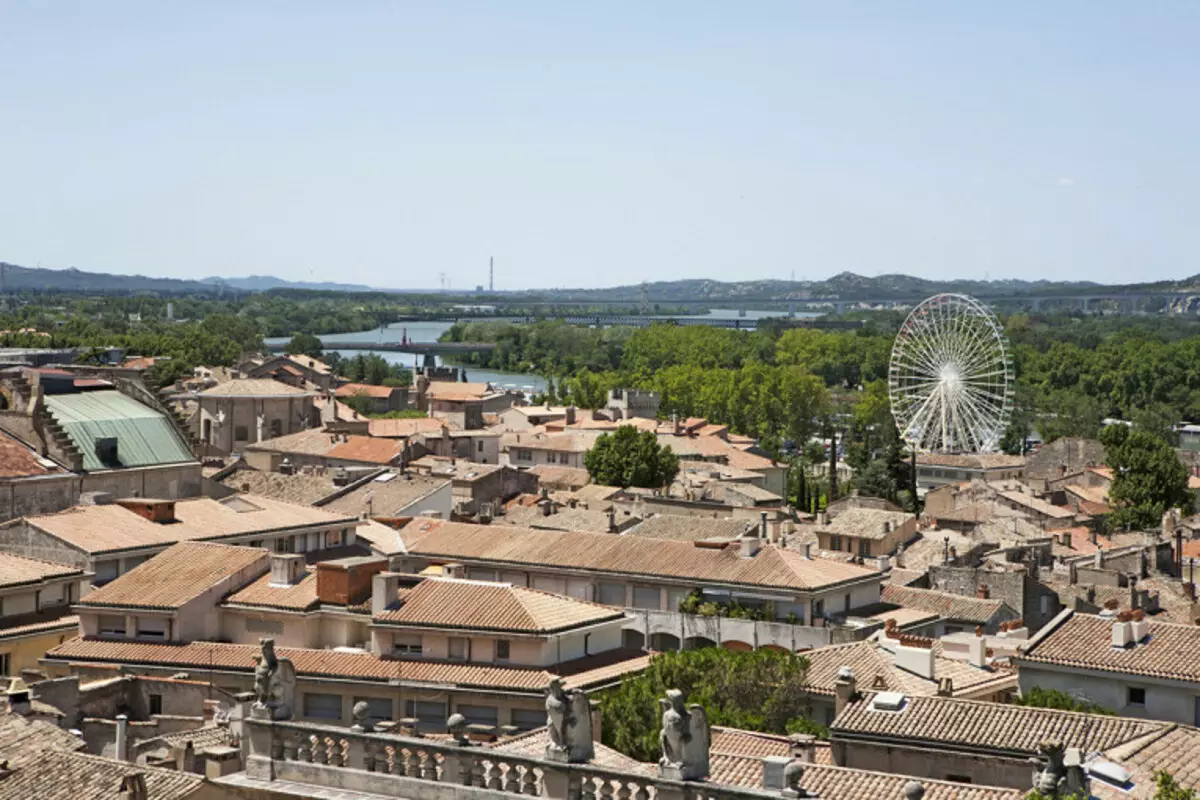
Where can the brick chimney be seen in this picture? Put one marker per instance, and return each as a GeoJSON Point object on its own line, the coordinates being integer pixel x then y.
{"type": "Point", "coordinates": [160, 511]}
{"type": "Point", "coordinates": [347, 581]}
{"type": "Point", "coordinates": [983, 593]}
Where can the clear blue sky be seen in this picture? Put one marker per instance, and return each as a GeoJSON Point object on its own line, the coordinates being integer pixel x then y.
{"type": "Point", "coordinates": [589, 144]}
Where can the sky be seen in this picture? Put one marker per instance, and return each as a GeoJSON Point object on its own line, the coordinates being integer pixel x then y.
{"type": "Point", "coordinates": [398, 144]}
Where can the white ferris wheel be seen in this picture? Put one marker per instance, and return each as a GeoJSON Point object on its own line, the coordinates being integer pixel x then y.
{"type": "Point", "coordinates": [950, 380]}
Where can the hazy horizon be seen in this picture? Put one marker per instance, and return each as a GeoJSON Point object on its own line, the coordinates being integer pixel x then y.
{"type": "Point", "coordinates": [386, 143]}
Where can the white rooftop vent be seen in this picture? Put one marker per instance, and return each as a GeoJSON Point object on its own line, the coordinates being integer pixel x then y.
{"type": "Point", "coordinates": [888, 701]}
{"type": "Point", "coordinates": [1109, 772]}
{"type": "Point", "coordinates": [385, 477]}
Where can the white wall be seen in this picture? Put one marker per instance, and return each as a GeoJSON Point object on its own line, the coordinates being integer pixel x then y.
{"type": "Point", "coordinates": [1174, 702]}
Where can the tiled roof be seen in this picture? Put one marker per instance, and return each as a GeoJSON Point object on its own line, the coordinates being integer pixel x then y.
{"type": "Point", "coordinates": [57, 775]}
{"type": "Point", "coordinates": [19, 461]}
{"type": "Point", "coordinates": [974, 461]}
{"type": "Point", "coordinates": [176, 575]}
{"type": "Point", "coordinates": [365, 390]}
{"type": "Point", "coordinates": [1175, 749]}
{"type": "Point", "coordinates": [683, 527]}
{"type": "Point", "coordinates": [1084, 641]}
{"type": "Point", "coordinates": [311, 442]}
{"type": "Point", "coordinates": [16, 570]}
{"type": "Point", "coordinates": [474, 605]}
{"type": "Point", "coordinates": [561, 443]}
{"type": "Point", "coordinates": [1037, 505]}
{"type": "Point", "coordinates": [296, 488]}
{"type": "Point", "coordinates": [253, 387]}
{"type": "Point", "coordinates": [367, 449]}
{"type": "Point", "coordinates": [737, 742]}
{"type": "Point", "coordinates": [99, 529]}
{"type": "Point", "coordinates": [301, 596]}
{"type": "Point", "coordinates": [449, 390]}
{"type": "Point", "coordinates": [905, 617]}
{"type": "Point", "coordinates": [24, 739]}
{"type": "Point", "coordinates": [565, 518]}
{"type": "Point", "coordinates": [310, 363]}
{"type": "Point", "coordinates": [591, 671]}
{"type": "Point", "coordinates": [840, 783]}
{"type": "Point", "coordinates": [994, 726]}
{"type": "Point", "coordinates": [868, 523]}
{"type": "Point", "coordinates": [946, 604]}
{"type": "Point", "coordinates": [903, 577]}
{"type": "Point", "coordinates": [383, 539]}
{"type": "Point", "coordinates": [403, 428]}
{"type": "Point", "coordinates": [144, 436]}
{"type": "Point", "coordinates": [533, 745]}
{"type": "Point", "coordinates": [387, 497]}
{"type": "Point", "coordinates": [67, 623]}
{"type": "Point", "coordinates": [627, 555]}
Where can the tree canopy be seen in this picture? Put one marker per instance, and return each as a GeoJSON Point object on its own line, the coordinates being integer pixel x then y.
{"type": "Point", "coordinates": [304, 344]}
{"type": "Point", "coordinates": [1148, 477]}
{"type": "Point", "coordinates": [629, 457]}
{"type": "Point", "coordinates": [761, 690]}
{"type": "Point", "coordinates": [1038, 697]}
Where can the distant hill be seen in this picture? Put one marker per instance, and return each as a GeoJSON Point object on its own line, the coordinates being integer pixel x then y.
{"type": "Point", "coordinates": [263, 283]}
{"type": "Point", "coordinates": [18, 279]}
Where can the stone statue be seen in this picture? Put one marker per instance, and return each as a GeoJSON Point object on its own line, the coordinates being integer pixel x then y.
{"type": "Point", "coordinates": [457, 726]}
{"type": "Point", "coordinates": [684, 739]}
{"type": "Point", "coordinates": [1051, 779]}
{"type": "Point", "coordinates": [569, 724]}
{"type": "Point", "coordinates": [361, 714]}
{"type": "Point", "coordinates": [793, 774]}
{"type": "Point", "coordinates": [274, 683]}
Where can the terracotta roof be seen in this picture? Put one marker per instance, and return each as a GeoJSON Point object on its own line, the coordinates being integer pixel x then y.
{"type": "Point", "coordinates": [365, 390]}
{"type": "Point", "coordinates": [906, 617]}
{"type": "Point", "coordinates": [841, 783]}
{"type": "Point", "coordinates": [388, 497]}
{"type": "Point", "coordinates": [19, 461]}
{"type": "Point", "coordinates": [628, 555]}
{"type": "Point", "coordinates": [383, 538]}
{"type": "Point", "coordinates": [871, 662]}
{"type": "Point", "coordinates": [301, 596]}
{"type": "Point", "coordinates": [971, 461]}
{"type": "Point", "coordinates": [1036, 505]}
{"type": "Point", "coordinates": [737, 742]}
{"type": "Point", "coordinates": [1084, 641]}
{"type": "Point", "coordinates": [16, 570]}
{"type": "Point", "coordinates": [299, 488]}
{"type": "Point", "coordinates": [403, 428]}
{"type": "Point", "coordinates": [178, 574]}
{"type": "Point", "coordinates": [449, 390]}
{"type": "Point", "coordinates": [253, 387]}
{"type": "Point", "coordinates": [591, 671]}
{"type": "Point", "coordinates": [67, 623]}
{"type": "Point", "coordinates": [981, 725]}
{"type": "Point", "coordinates": [57, 775]}
{"type": "Point", "coordinates": [867, 523]}
{"type": "Point", "coordinates": [560, 443]}
{"type": "Point", "coordinates": [474, 605]}
{"type": "Point", "coordinates": [561, 477]}
{"type": "Point", "coordinates": [368, 449]}
{"type": "Point", "coordinates": [22, 740]}
{"type": "Point", "coordinates": [311, 442]}
{"type": "Point", "coordinates": [1175, 749]}
{"type": "Point", "coordinates": [683, 527]}
{"type": "Point", "coordinates": [903, 577]}
{"type": "Point", "coordinates": [533, 745]}
{"type": "Point", "coordinates": [743, 459]}
{"type": "Point", "coordinates": [946, 604]}
{"type": "Point", "coordinates": [100, 529]}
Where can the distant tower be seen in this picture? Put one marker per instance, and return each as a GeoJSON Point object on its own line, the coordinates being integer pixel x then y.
{"type": "Point", "coordinates": [491, 273]}
{"type": "Point", "coordinates": [170, 311]}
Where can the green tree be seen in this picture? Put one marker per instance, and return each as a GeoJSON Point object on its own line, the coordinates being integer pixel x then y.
{"type": "Point", "coordinates": [1167, 788]}
{"type": "Point", "coordinates": [629, 457]}
{"type": "Point", "coordinates": [304, 344]}
{"type": "Point", "coordinates": [1037, 697]}
{"type": "Point", "coordinates": [1148, 477]}
{"type": "Point", "coordinates": [761, 690]}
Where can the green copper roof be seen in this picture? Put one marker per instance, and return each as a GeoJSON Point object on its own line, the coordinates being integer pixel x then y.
{"type": "Point", "coordinates": [144, 436]}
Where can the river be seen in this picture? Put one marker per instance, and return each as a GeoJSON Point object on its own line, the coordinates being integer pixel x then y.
{"type": "Point", "coordinates": [430, 331]}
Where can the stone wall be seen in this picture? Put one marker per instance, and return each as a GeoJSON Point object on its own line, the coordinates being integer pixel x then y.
{"type": "Point", "coordinates": [1033, 602]}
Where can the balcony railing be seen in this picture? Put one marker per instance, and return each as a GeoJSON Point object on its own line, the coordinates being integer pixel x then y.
{"type": "Point", "coordinates": [404, 766]}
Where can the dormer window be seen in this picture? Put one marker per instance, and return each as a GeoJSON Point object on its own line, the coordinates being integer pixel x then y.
{"type": "Point", "coordinates": [460, 649]}
{"type": "Point", "coordinates": [502, 649]}
{"type": "Point", "coordinates": [112, 625]}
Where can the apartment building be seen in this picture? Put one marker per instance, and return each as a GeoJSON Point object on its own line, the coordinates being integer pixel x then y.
{"type": "Point", "coordinates": [35, 603]}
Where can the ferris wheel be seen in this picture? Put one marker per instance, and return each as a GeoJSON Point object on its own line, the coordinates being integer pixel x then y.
{"type": "Point", "coordinates": [950, 380]}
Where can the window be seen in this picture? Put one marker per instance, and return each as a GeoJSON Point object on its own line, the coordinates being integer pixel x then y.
{"type": "Point", "coordinates": [479, 447]}
{"type": "Point", "coordinates": [152, 628]}
{"type": "Point", "coordinates": [239, 433]}
{"type": "Point", "coordinates": [460, 649]}
{"type": "Point", "coordinates": [276, 427]}
{"type": "Point", "coordinates": [524, 455]}
{"type": "Point", "coordinates": [482, 574]}
{"type": "Point", "coordinates": [6, 670]}
{"type": "Point", "coordinates": [284, 544]}
{"type": "Point", "coordinates": [256, 543]}
{"type": "Point", "coordinates": [155, 704]}
{"type": "Point", "coordinates": [480, 715]}
{"type": "Point", "coordinates": [959, 778]}
{"type": "Point", "coordinates": [525, 719]}
{"type": "Point", "coordinates": [112, 625]}
{"type": "Point", "coordinates": [323, 706]}
{"type": "Point", "coordinates": [819, 608]}
{"type": "Point", "coordinates": [646, 597]}
{"type": "Point", "coordinates": [430, 716]}
{"type": "Point", "coordinates": [835, 543]}
{"type": "Point", "coordinates": [847, 601]}
{"type": "Point", "coordinates": [1136, 696]}
{"type": "Point", "coordinates": [502, 649]}
{"type": "Point", "coordinates": [864, 548]}
{"type": "Point", "coordinates": [379, 709]}
{"type": "Point", "coordinates": [610, 594]}
{"type": "Point", "coordinates": [408, 644]}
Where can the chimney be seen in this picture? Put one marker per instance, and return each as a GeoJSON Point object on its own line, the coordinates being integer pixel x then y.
{"type": "Point", "coordinates": [1139, 626]}
{"type": "Point", "coordinates": [773, 768]}
{"type": "Point", "coordinates": [803, 747]}
{"type": "Point", "coordinates": [762, 533]}
{"type": "Point", "coordinates": [286, 569]}
{"type": "Point", "coordinates": [749, 546]}
{"type": "Point", "coordinates": [945, 687]}
{"type": "Point", "coordinates": [597, 720]}
{"type": "Point", "coordinates": [160, 511]}
{"type": "Point", "coordinates": [133, 787]}
{"type": "Point", "coordinates": [612, 519]}
{"type": "Point", "coordinates": [18, 697]}
{"type": "Point", "coordinates": [822, 518]}
{"type": "Point", "coordinates": [844, 689]}
{"type": "Point", "coordinates": [1091, 595]}
{"type": "Point", "coordinates": [977, 651]}
{"type": "Point", "coordinates": [887, 526]}
{"type": "Point", "coordinates": [454, 570]}
{"type": "Point", "coordinates": [121, 744]}
{"type": "Point", "coordinates": [1122, 633]}
{"type": "Point", "coordinates": [807, 550]}
{"type": "Point", "coordinates": [185, 758]}
{"type": "Point", "coordinates": [915, 655]}
{"type": "Point", "coordinates": [946, 549]}
{"type": "Point", "coordinates": [570, 417]}
{"type": "Point", "coordinates": [384, 586]}
{"type": "Point", "coordinates": [547, 507]}
{"type": "Point", "coordinates": [983, 593]}
{"type": "Point", "coordinates": [676, 425]}
{"type": "Point", "coordinates": [1098, 558]}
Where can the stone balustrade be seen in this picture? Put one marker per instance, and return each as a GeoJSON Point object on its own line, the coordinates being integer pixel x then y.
{"type": "Point", "coordinates": [440, 769]}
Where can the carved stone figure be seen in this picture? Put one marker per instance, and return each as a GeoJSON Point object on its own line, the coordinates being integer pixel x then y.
{"type": "Point", "coordinates": [361, 714]}
{"type": "Point", "coordinates": [1051, 779]}
{"type": "Point", "coordinates": [569, 724]}
{"type": "Point", "coordinates": [457, 726]}
{"type": "Point", "coordinates": [274, 683]}
{"type": "Point", "coordinates": [793, 775]}
{"type": "Point", "coordinates": [684, 739]}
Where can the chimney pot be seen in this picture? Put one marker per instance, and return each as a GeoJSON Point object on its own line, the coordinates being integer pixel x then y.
{"type": "Point", "coordinates": [982, 593]}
